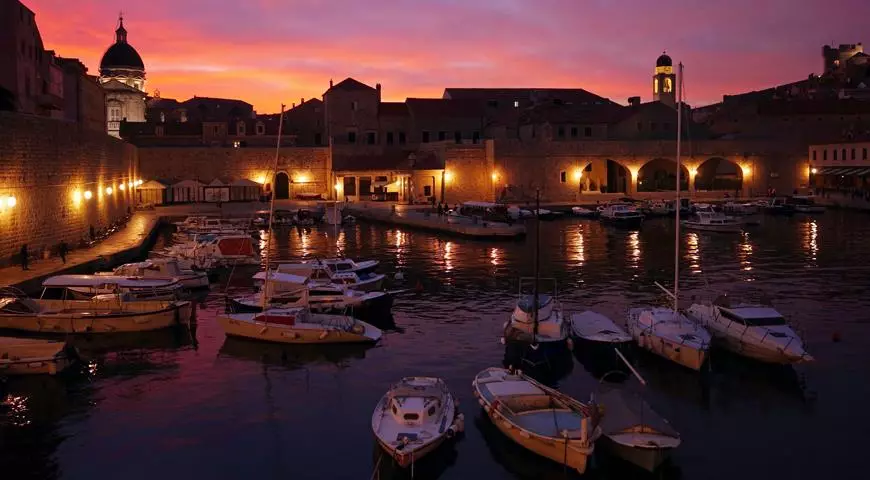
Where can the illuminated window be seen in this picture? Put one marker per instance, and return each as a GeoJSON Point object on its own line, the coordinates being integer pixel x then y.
{"type": "Point", "coordinates": [655, 85]}
{"type": "Point", "coordinates": [668, 87]}
{"type": "Point", "coordinates": [563, 177]}
{"type": "Point", "coordinates": [516, 104]}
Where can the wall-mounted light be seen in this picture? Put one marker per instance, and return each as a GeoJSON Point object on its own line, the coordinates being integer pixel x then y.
{"type": "Point", "coordinates": [88, 194]}
{"type": "Point", "coordinates": [578, 174]}
{"type": "Point", "coordinates": [448, 176]}
{"type": "Point", "coordinates": [494, 176]}
{"type": "Point", "coordinates": [301, 178]}
{"type": "Point", "coordinates": [130, 184]}
{"type": "Point", "coordinates": [9, 201]}
{"type": "Point", "coordinates": [108, 190]}
{"type": "Point", "coordinates": [121, 186]}
{"type": "Point", "coordinates": [693, 171]}
{"type": "Point", "coordinates": [337, 186]}
{"type": "Point", "coordinates": [814, 170]}
{"type": "Point", "coordinates": [261, 180]}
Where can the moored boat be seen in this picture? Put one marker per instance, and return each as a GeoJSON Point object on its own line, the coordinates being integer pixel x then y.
{"type": "Point", "coordinates": [707, 221]}
{"type": "Point", "coordinates": [167, 269]}
{"type": "Point", "coordinates": [298, 325]}
{"type": "Point", "coordinates": [584, 212]}
{"type": "Point", "coordinates": [319, 273]}
{"type": "Point", "coordinates": [805, 204]}
{"type": "Point", "coordinates": [621, 215]}
{"type": "Point", "coordinates": [670, 335]}
{"type": "Point", "coordinates": [23, 356]}
{"type": "Point", "coordinates": [596, 328]}
{"type": "Point", "coordinates": [345, 265]}
{"type": "Point", "coordinates": [216, 251]}
{"type": "Point", "coordinates": [83, 287]}
{"type": "Point", "coordinates": [414, 417]}
{"type": "Point", "coordinates": [540, 419]}
{"type": "Point", "coordinates": [752, 330]}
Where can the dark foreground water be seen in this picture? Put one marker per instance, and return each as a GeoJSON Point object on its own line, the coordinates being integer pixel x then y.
{"type": "Point", "coordinates": [194, 404]}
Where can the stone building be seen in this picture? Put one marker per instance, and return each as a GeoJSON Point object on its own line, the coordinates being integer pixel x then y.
{"type": "Point", "coordinates": [84, 99]}
{"type": "Point", "coordinates": [122, 76]}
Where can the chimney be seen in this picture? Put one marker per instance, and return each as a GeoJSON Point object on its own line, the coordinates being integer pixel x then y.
{"type": "Point", "coordinates": [378, 87]}
{"type": "Point", "coordinates": [302, 101]}
{"type": "Point", "coordinates": [634, 101]}
{"type": "Point", "coordinates": [330, 83]}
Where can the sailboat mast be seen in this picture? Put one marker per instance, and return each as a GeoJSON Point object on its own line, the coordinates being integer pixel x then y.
{"type": "Point", "coordinates": [272, 210]}
{"type": "Point", "coordinates": [537, 262]}
{"type": "Point", "coordinates": [679, 170]}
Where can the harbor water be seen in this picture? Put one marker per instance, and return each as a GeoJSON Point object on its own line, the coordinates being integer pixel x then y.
{"type": "Point", "coordinates": [194, 404]}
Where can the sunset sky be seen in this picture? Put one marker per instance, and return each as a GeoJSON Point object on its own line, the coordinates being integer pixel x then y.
{"type": "Point", "coordinates": [271, 51]}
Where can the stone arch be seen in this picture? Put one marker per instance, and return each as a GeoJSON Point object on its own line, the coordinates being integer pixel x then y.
{"type": "Point", "coordinates": [719, 173]}
{"type": "Point", "coordinates": [660, 174]}
{"type": "Point", "coordinates": [618, 177]}
{"type": "Point", "coordinates": [282, 186]}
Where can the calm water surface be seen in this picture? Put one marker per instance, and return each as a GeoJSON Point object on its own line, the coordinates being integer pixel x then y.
{"type": "Point", "coordinates": [194, 404]}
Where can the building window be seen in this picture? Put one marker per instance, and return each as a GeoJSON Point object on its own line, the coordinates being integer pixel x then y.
{"type": "Point", "coordinates": [516, 104]}
{"type": "Point", "coordinates": [561, 132]}
{"type": "Point", "coordinates": [353, 105]}
{"type": "Point", "coordinates": [260, 128]}
{"type": "Point", "coordinates": [425, 136]}
{"type": "Point", "coordinates": [574, 132]}
{"type": "Point", "coordinates": [844, 155]}
{"type": "Point", "coordinates": [402, 138]}
{"type": "Point", "coordinates": [669, 86]}
{"type": "Point", "coordinates": [351, 137]}
{"type": "Point", "coordinates": [370, 138]}
{"type": "Point", "coordinates": [835, 154]}
{"type": "Point", "coordinates": [365, 186]}
{"type": "Point", "coordinates": [666, 126]}
{"type": "Point", "coordinates": [162, 117]}
{"type": "Point", "coordinates": [240, 129]}
{"type": "Point", "coordinates": [814, 155]}
{"type": "Point", "coordinates": [639, 126]}
{"type": "Point", "coordinates": [563, 177]}
{"type": "Point", "coordinates": [655, 85]}
{"type": "Point", "coordinates": [475, 137]}
{"type": "Point", "coordinates": [587, 132]}
{"type": "Point", "coordinates": [427, 190]}
{"type": "Point", "coordinates": [825, 154]}
{"type": "Point", "coordinates": [864, 154]}
{"type": "Point", "coordinates": [317, 139]}
{"type": "Point", "coordinates": [853, 154]}
{"type": "Point", "coordinates": [158, 130]}
{"type": "Point", "coordinates": [652, 126]}
{"type": "Point", "coordinates": [217, 130]}
{"type": "Point", "coordinates": [389, 138]}
{"type": "Point", "coordinates": [457, 137]}
{"type": "Point", "coordinates": [442, 136]}
{"type": "Point", "coordinates": [350, 185]}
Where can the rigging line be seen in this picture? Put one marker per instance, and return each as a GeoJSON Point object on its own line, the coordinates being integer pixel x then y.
{"type": "Point", "coordinates": [271, 213]}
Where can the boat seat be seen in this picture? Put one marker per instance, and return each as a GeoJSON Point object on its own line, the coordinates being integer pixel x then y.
{"type": "Point", "coordinates": [550, 423]}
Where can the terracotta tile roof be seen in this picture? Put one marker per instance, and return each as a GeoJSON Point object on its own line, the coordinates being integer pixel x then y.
{"type": "Point", "coordinates": [534, 95]}
{"type": "Point", "coordinates": [575, 114]}
{"type": "Point", "coordinates": [350, 84]}
{"type": "Point", "coordinates": [813, 107]}
{"type": "Point", "coordinates": [393, 109]}
{"type": "Point", "coordinates": [388, 160]}
{"type": "Point", "coordinates": [440, 108]}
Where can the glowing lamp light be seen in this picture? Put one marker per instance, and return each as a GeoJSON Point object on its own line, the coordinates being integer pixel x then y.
{"type": "Point", "coordinates": [139, 182]}
{"type": "Point", "coordinates": [747, 170]}
{"type": "Point", "coordinates": [121, 187]}
{"type": "Point", "coordinates": [88, 194]}
{"type": "Point", "coordinates": [108, 190]}
{"type": "Point", "coordinates": [693, 171]}
{"type": "Point", "coordinates": [130, 184]}
{"type": "Point", "coordinates": [338, 185]}
{"type": "Point", "coordinates": [814, 170]}
{"type": "Point", "coordinates": [261, 180]}
{"type": "Point", "coordinates": [77, 196]}
{"type": "Point", "coordinates": [448, 176]}
{"type": "Point", "coordinates": [494, 176]}
{"type": "Point", "coordinates": [11, 202]}
{"type": "Point", "coordinates": [578, 174]}
{"type": "Point", "coordinates": [301, 178]}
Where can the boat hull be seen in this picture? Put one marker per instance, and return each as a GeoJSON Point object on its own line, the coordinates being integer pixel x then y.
{"type": "Point", "coordinates": [649, 459]}
{"type": "Point", "coordinates": [99, 320]}
{"type": "Point", "coordinates": [712, 228]}
{"type": "Point", "coordinates": [758, 352]}
{"type": "Point", "coordinates": [34, 356]}
{"type": "Point", "coordinates": [687, 356]}
{"type": "Point", "coordinates": [372, 309]}
{"type": "Point", "coordinates": [279, 333]}
{"type": "Point", "coordinates": [406, 459]}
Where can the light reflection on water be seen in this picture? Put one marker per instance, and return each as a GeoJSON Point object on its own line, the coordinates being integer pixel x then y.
{"type": "Point", "coordinates": [265, 411]}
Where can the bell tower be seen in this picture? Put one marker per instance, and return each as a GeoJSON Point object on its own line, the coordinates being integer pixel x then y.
{"type": "Point", "coordinates": [665, 81]}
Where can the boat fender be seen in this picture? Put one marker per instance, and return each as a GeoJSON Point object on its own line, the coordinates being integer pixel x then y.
{"type": "Point", "coordinates": [570, 344]}
{"type": "Point", "coordinates": [323, 334]}
{"type": "Point", "coordinates": [358, 329]}
{"type": "Point", "coordinates": [502, 340]}
{"type": "Point", "coordinates": [460, 422]}
{"type": "Point", "coordinates": [263, 330]}
{"type": "Point", "coordinates": [481, 402]}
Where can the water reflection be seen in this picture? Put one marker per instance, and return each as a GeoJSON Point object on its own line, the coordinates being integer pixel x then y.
{"type": "Point", "coordinates": [810, 232]}
{"type": "Point", "coordinates": [448, 256]}
{"type": "Point", "coordinates": [693, 252]}
{"type": "Point", "coordinates": [292, 357]}
{"type": "Point", "coordinates": [495, 254]}
{"type": "Point", "coordinates": [16, 410]}
{"type": "Point", "coordinates": [633, 240]}
{"type": "Point", "coordinates": [744, 255]}
{"type": "Point", "coordinates": [576, 250]}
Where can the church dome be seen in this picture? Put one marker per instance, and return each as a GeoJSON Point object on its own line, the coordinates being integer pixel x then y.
{"type": "Point", "coordinates": [121, 55]}
{"type": "Point", "coordinates": [664, 61]}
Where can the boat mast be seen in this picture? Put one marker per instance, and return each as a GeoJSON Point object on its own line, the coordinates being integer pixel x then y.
{"type": "Point", "coordinates": [537, 261]}
{"type": "Point", "coordinates": [679, 205]}
{"type": "Point", "coordinates": [271, 212]}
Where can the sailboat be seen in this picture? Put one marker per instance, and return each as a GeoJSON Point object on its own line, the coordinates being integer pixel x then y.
{"type": "Point", "coordinates": [297, 324]}
{"type": "Point", "coordinates": [537, 331]}
{"type": "Point", "coordinates": [667, 332]}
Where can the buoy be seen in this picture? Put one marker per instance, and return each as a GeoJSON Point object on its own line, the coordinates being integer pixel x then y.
{"type": "Point", "coordinates": [836, 337]}
{"type": "Point", "coordinates": [399, 276]}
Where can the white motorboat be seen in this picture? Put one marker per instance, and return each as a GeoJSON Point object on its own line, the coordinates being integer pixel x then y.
{"type": "Point", "coordinates": [414, 417]}
{"type": "Point", "coordinates": [82, 287]}
{"type": "Point", "coordinates": [584, 212]}
{"type": "Point", "coordinates": [656, 208]}
{"type": "Point", "coordinates": [595, 327]}
{"type": "Point", "coordinates": [100, 314]}
{"type": "Point", "coordinates": [298, 325]}
{"type": "Point", "coordinates": [543, 335]}
{"type": "Point", "coordinates": [805, 204]}
{"type": "Point", "coordinates": [322, 274]}
{"type": "Point", "coordinates": [633, 431]}
{"type": "Point", "coordinates": [211, 224]}
{"type": "Point", "coordinates": [670, 335]}
{"type": "Point", "coordinates": [752, 330]}
{"type": "Point", "coordinates": [740, 209]}
{"type": "Point", "coordinates": [708, 221]}
{"type": "Point", "coordinates": [216, 251]}
{"type": "Point", "coordinates": [286, 290]}
{"type": "Point", "coordinates": [621, 214]}
{"type": "Point", "coordinates": [22, 356]}
{"type": "Point", "coordinates": [345, 265]}
{"type": "Point", "coordinates": [161, 269]}
{"type": "Point", "coordinates": [540, 419]}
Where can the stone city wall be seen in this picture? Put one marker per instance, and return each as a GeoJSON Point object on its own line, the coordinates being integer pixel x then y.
{"type": "Point", "coordinates": [48, 166]}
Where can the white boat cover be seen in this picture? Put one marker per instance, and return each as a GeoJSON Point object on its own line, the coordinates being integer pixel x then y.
{"type": "Point", "coordinates": [510, 388]}
{"type": "Point", "coordinates": [99, 280]}
{"type": "Point", "coordinates": [624, 412]}
{"type": "Point", "coordinates": [281, 277]}
{"type": "Point", "coordinates": [595, 326]}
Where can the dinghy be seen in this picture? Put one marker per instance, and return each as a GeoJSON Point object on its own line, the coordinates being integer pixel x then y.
{"type": "Point", "coordinates": [22, 356]}
{"type": "Point", "coordinates": [542, 420]}
{"type": "Point", "coordinates": [298, 325]}
{"type": "Point", "coordinates": [594, 327]}
{"type": "Point", "coordinates": [415, 416]}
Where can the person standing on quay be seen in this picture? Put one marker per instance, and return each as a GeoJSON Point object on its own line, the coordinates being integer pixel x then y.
{"type": "Point", "coordinates": [62, 250]}
{"type": "Point", "coordinates": [24, 259]}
